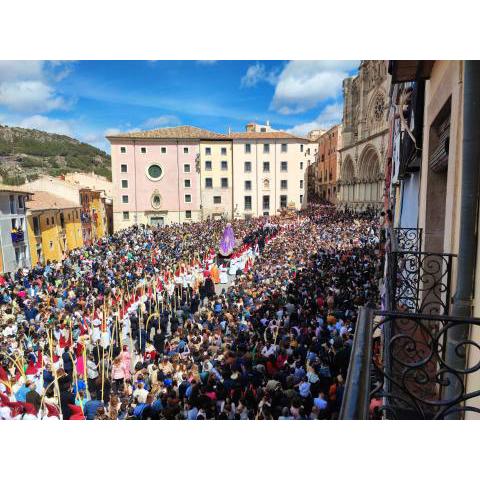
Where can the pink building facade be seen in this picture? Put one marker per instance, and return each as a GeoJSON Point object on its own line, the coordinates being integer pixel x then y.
{"type": "Point", "coordinates": [155, 176]}
{"type": "Point", "coordinates": [155, 182]}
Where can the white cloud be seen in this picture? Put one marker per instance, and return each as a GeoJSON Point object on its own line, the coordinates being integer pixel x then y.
{"type": "Point", "coordinates": [30, 96]}
{"type": "Point", "coordinates": [51, 125]}
{"type": "Point", "coordinates": [162, 121]}
{"type": "Point", "coordinates": [304, 84]}
{"type": "Point", "coordinates": [330, 115]}
{"type": "Point", "coordinates": [258, 73]}
{"type": "Point", "coordinates": [28, 86]}
{"type": "Point", "coordinates": [11, 70]}
{"type": "Point", "coordinates": [60, 70]}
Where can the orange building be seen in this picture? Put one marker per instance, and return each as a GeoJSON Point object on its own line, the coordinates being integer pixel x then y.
{"type": "Point", "coordinates": [327, 157]}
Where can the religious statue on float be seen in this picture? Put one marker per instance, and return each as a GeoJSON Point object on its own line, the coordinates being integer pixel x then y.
{"type": "Point", "coordinates": [227, 242]}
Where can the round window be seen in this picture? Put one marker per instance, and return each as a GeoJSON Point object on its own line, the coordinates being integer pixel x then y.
{"type": "Point", "coordinates": [154, 171]}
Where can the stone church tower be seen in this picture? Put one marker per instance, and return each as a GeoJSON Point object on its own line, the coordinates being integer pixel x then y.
{"type": "Point", "coordinates": [365, 137]}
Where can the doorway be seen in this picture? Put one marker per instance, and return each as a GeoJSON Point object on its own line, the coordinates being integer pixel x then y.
{"type": "Point", "coordinates": [157, 221]}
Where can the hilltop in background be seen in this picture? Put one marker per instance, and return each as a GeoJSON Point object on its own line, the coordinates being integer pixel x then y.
{"type": "Point", "coordinates": [25, 154]}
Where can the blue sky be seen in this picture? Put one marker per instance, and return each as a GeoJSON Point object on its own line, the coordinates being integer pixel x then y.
{"type": "Point", "coordinates": [89, 99]}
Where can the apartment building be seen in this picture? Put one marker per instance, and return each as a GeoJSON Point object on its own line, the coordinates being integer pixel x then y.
{"type": "Point", "coordinates": [326, 163]}
{"type": "Point", "coordinates": [216, 179]}
{"type": "Point", "coordinates": [269, 172]}
{"type": "Point", "coordinates": [100, 184]}
{"type": "Point", "coordinates": [91, 200]}
{"type": "Point", "coordinates": [54, 227]}
{"type": "Point", "coordinates": [14, 248]}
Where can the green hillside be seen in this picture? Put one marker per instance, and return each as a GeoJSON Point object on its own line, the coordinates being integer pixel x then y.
{"type": "Point", "coordinates": [27, 153]}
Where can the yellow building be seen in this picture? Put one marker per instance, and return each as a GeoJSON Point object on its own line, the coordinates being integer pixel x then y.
{"type": "Point", "coordinates": [54, 227]}
{"type": "Point", "coordinates": [216, 182]}
{"type": "Point", "coordinates": [94, 214]}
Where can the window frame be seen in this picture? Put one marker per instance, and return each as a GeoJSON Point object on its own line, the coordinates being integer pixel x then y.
{"type": "Point", "coordinates": [154, 164]}
{"type": "Point", "coordinates": [265, 197]}
{"type": "Point", "coordinates": [37, 231]}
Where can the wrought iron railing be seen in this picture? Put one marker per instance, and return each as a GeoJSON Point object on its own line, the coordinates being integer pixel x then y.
{"type": "Point", "coordinates": [414, 379]}
{"type": "Point", "coordinates": [408, 239]}
{"type": "Point", "coordinates": [420, 282]}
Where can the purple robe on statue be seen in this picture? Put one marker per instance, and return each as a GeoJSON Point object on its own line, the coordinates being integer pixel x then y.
{"type": "Point", "coordinates": [227, 242]}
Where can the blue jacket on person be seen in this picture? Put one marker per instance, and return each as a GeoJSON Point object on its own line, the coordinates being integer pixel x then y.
{"type": "Point", "coordinates": [21, 395]}
{"type": "Point", "coordinates": [90, 408]}
{"type": "Point", "coordinates": [48, 378]}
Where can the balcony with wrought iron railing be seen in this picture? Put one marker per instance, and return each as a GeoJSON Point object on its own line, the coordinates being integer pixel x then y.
{"type": "Point", "coordinates": [17, 235]}
{"type": "Point", "coordinates": [410, 376]}
{"type": "Point", "coordinates": [403, 365]}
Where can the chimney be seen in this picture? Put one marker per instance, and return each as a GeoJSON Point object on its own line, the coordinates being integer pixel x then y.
{"type": "Point", "coordinates": [268, 123]}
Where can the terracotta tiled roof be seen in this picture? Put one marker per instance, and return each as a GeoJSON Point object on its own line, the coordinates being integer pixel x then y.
{"type": "Point", "coordinates": [13, 189]}
{"type": "Point", "coordinates": [266, 135]}
{"type": "Point", "coordinates": [49, 201]}
{"type": "Point", "coordinates": [195, 133]}
{"type": "Point", "coordinates": [182, 132]}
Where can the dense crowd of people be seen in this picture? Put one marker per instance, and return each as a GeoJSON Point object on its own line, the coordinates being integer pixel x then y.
{"type": "Point", "coordinates": [153, 323]}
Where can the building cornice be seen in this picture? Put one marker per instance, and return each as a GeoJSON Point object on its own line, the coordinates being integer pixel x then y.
{"type": "Point", "coordinates": [365, 140]}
